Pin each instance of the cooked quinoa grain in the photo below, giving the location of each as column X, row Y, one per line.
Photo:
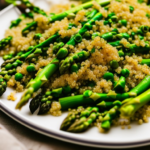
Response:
column 85, row 74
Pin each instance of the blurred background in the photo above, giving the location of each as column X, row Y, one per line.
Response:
column 2, row 4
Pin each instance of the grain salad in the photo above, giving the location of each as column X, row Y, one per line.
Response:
column 92, row 59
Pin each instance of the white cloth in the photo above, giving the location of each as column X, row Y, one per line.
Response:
column 8, row 141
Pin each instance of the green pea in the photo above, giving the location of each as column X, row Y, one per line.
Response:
column 110, row 15
column 125, row 72
column 74, row 68
column 131, row 8
column 148, row 15
column 121, row 53
column 108, row 76
column 114, row 18
column 18, row 76
column 114, row 64
column 115, row 30
column 123, row 22
column 30, row 68
column 106, row 22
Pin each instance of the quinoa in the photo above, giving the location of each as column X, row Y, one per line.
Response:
column 93, row 68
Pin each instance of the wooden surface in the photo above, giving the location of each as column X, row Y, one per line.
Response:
column 36, row 141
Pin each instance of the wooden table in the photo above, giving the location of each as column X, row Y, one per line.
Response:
column 36, row 141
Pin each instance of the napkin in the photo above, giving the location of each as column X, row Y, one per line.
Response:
column 8, row 141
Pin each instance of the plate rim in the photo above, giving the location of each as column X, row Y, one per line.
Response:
column 69, row 139
column 59, row 136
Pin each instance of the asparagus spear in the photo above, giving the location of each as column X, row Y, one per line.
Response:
column 141, row 87
column 145, row 61
column 26, row 54
column 89, row 97
column 76, row 9
column 4, row 42
column 120, row 85
column 63, row 52
column 44, row 100
column 35, row 9
column 71, row 11
column 36, row 83
column 106, row 105
column 130, row 107
column 16, row 22
column 107, row 120
column 34, row 103
column 72, row 115
column 87, row 117
column 80, row 56
column 3, row 86
column 31, row 26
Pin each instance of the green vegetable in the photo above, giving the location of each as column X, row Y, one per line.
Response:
column 3, row 86
column 84, row 122
column 89, row 98
column 108, row 76
column 80, row 56
column 120, row 85
column 30, row 68
column 35, row 102
column 72, row 115
column 123, row 22
column 16, row 22
column 31, row 26
column 125, row 72
column 131, row 8
column 36, row 83
column 107, row 120
column 145, row 61
column 62, row 15
column 43, row 100
column 129, row 108
column 4, row 42
column 121, row 53
column 18, row 76
column 74, row 67
column 114, row 64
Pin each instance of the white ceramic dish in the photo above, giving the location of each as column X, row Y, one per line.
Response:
column 138, row 135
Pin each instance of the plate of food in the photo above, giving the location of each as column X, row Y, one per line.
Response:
column 79, row 72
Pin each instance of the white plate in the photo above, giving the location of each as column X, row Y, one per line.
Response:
column 138, row 135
